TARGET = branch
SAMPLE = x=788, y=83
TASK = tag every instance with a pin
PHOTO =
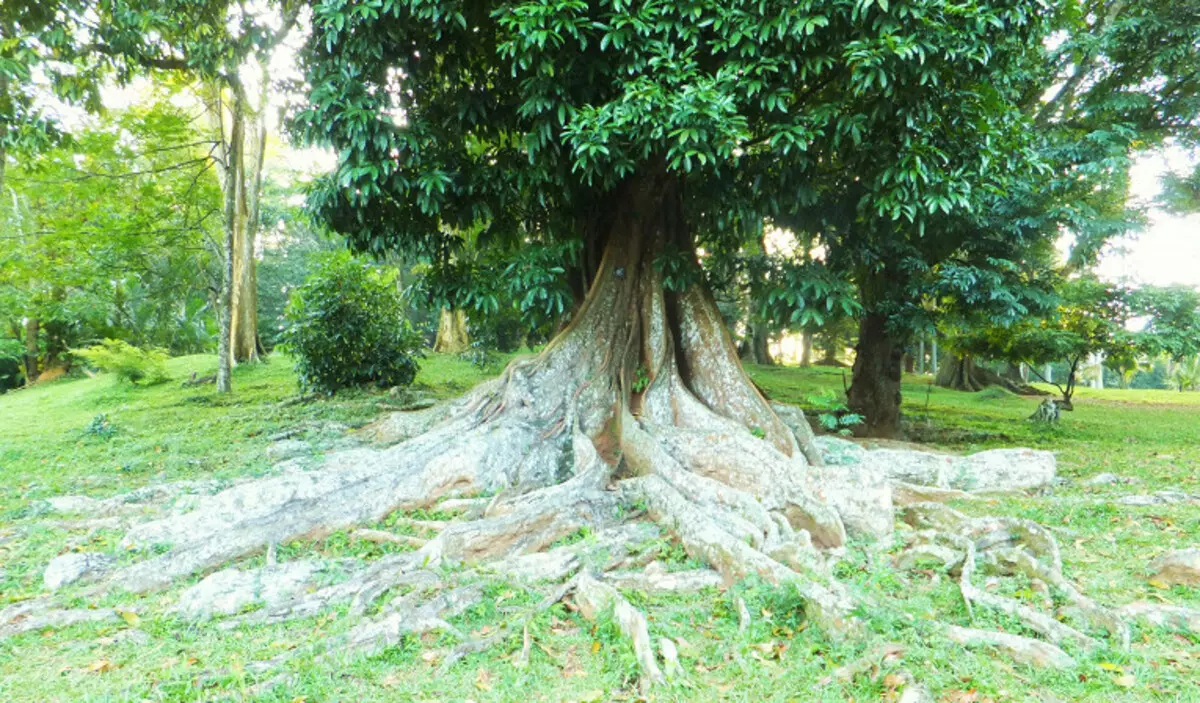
x=88, y=175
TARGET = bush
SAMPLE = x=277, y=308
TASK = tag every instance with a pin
x=128, y=362
x=346, y=327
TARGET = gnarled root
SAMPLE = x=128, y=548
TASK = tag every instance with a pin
x=1025, y=650
x=1009, y=546
x=595, y=598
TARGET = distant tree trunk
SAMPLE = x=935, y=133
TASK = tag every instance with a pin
x=244, y=318
x=962, y=374
x=32, y=326
x=829, y=354
x=247, y=216
x=875, y=391
x=959, y=373
x=5, y=108
x=233, y=175
x=452, y=337
x=758, y=350
x=806, y=348
x=909, y=364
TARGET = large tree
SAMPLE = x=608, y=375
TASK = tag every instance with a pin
x=643, y=137
x=645, y=132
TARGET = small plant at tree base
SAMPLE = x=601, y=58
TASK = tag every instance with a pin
x=346, y=327
x=100, y=427
x=128, y=362
x=833, y=414
x=641, y=379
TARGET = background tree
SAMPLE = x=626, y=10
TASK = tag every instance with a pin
x=1122, y=79
x=1089, y=320
x=108, y=235
x=225, y=48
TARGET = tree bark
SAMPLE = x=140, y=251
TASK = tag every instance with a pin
x=758, y=346
x=233, y=176
x=247, y=216
x=32, y=328
x=875, y=391
x=806, y=348
x=452, y=337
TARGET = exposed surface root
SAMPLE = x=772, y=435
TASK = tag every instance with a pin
x=1008, y=546
x=1025, y=650
x=1171, y=617
x=39, y=615
x=595, y=598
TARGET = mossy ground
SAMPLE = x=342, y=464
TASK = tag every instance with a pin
x=167, y=432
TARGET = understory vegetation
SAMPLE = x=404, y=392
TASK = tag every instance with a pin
x=98, y=437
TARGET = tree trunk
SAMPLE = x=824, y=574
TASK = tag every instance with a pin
x=875, y=391
x=962, y=374
x=247, y=185
x=959, y=373
x=32, y=328
x=909, y=364
x=758, y=346
x=806, y=348
x=234, y=200
x=829, y=354
x=452, y=337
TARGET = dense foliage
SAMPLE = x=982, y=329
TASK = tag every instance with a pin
x=346, y=327
x=125, y=361
x=108, y=235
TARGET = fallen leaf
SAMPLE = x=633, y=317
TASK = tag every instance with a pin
x=1107, y=666
x=1125, y=680
x=390, y=680
x=893, y=681
x=483, y=680
x=1162, y=585
x=960, y=696
x=595, y=647
x=100, y=666
x=591, y=696
x=131, y=618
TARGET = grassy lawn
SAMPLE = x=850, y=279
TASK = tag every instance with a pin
x=168, y=432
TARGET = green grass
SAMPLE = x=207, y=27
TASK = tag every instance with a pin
x=166, y=432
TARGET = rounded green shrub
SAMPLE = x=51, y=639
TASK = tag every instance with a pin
x=345, y=326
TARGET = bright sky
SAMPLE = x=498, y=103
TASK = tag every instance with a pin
x=1168, y=251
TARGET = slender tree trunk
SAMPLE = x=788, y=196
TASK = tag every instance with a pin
x=233, y=170
x=248, y=186
x=452, y=336
x=806, y=348
x=875, y=391
x=32, y=327
x=5, y=108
